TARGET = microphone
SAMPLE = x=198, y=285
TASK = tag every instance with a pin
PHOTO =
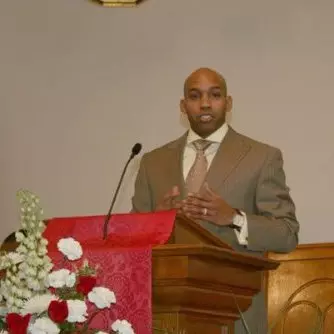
x=135, y=150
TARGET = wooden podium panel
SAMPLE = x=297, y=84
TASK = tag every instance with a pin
x=304, y=283
x=198, y=281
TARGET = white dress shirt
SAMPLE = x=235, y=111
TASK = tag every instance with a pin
x=189, y=156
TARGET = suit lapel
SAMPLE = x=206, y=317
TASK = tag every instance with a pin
x=175, y=163
x=231, y=151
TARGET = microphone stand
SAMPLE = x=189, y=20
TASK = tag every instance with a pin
x=105, y=226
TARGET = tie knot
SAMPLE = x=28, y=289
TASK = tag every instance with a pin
x=201, y=144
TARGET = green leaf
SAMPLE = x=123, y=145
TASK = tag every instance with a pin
x=2, y=324
x=69, y=293
x=67, y=327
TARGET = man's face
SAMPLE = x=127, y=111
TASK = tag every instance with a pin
x=205, y=102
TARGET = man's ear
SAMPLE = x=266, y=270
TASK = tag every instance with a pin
x=229, y=103
x=182, y=107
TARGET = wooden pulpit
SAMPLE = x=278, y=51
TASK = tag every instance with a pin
x=199, y=282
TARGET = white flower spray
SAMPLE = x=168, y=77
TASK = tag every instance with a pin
x=24, y=288
x=28, y=266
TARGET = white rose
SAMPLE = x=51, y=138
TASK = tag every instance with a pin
x=122, y=327
x=70, y=248
x=77, y=311
x=44, y=326
x=102, y=297
x=70, y=281
x=60, y=278
x=99, y=332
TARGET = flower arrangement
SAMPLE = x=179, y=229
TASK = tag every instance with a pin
x=35, y=298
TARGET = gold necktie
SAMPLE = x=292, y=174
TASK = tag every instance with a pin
x=198, y=170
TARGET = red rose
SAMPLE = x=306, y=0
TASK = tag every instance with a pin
x=86, y=284
x=58, y=311
x=17, y=324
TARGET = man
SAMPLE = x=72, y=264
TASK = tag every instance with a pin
x=233, y=185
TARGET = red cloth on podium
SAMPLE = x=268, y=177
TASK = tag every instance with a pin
x=123, y=258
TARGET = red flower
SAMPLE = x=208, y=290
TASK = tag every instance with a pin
x=58, y=311
x=86, y=284
x=17, y=324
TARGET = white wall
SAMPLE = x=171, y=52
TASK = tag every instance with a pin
x=79, y=84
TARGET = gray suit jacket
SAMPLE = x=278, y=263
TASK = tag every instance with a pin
x=249, y=176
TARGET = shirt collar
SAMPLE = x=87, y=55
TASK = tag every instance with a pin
x=216, y=137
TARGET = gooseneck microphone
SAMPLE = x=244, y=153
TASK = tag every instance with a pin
x=135, y=150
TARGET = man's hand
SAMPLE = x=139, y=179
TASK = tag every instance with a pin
x=208, y=206
x=169, y=200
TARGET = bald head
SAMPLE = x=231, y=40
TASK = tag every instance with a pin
x=204, y=72
x=205, y=101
